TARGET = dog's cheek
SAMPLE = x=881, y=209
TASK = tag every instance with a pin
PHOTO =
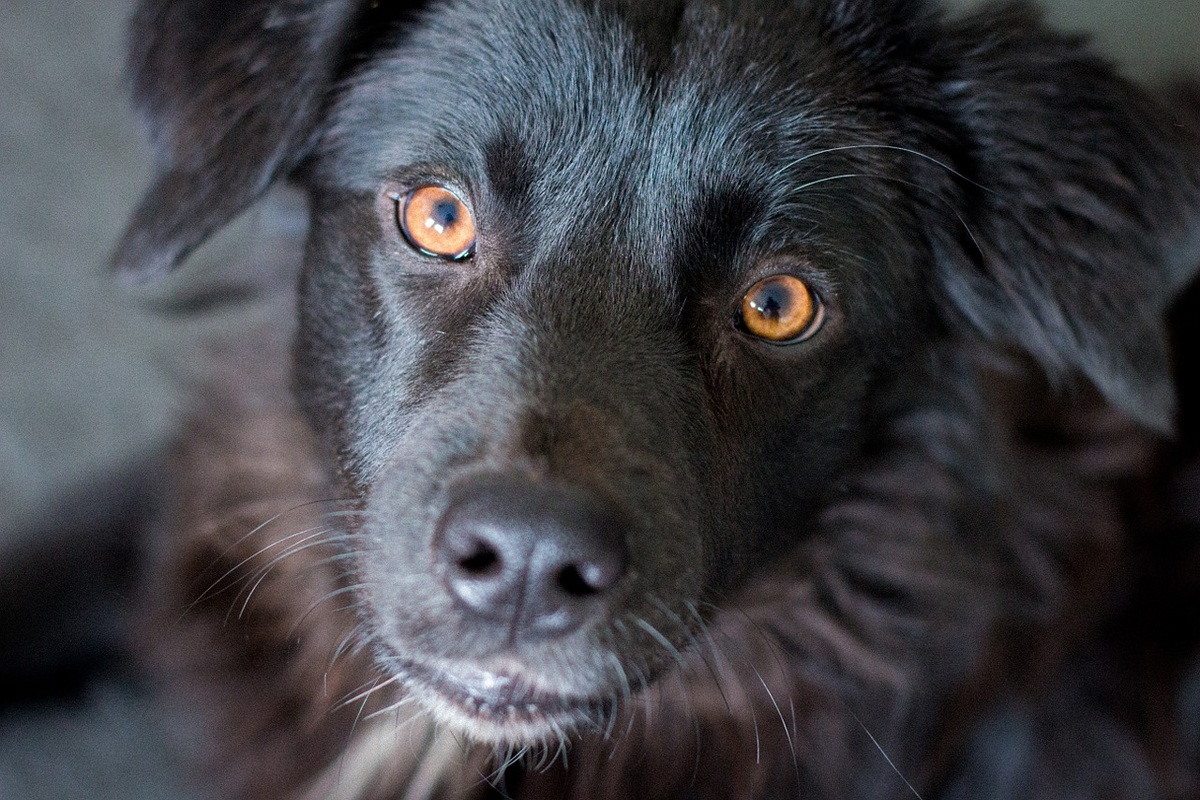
x=794, y=418
x=334, y=346
x=360, y=343
x=788, y=423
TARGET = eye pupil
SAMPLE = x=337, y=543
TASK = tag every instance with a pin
x=781, y=309
x=445, y=214
x=437, y=223
x=768, y=304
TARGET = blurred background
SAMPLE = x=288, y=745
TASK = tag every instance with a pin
x=91, y=375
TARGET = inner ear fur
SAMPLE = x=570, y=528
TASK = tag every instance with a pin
x=1083, y=190
x=232, y=91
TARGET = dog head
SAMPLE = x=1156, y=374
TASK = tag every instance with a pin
x=600, y=299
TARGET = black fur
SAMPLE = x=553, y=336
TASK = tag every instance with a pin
x=893, y=540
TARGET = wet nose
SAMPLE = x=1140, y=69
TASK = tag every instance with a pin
x=537, y=559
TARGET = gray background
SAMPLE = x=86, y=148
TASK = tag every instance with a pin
x=89, y=376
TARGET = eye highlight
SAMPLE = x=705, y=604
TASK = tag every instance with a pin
x=781, y=309
x=436, y=222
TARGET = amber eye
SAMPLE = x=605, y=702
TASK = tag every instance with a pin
x=781, y=309
x=436, y=222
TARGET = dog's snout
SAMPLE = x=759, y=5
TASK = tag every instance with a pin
x=538, y=560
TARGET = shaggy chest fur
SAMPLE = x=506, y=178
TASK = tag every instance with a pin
x=674, y=407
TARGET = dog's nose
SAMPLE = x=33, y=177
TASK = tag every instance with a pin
x=539, y=560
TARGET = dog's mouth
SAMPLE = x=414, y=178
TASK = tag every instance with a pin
x=499, y=704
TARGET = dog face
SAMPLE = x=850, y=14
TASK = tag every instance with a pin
x=600, y=302
x=592, y=389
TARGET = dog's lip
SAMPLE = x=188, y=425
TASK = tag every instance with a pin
x=498, y=694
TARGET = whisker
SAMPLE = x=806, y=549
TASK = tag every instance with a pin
x=626, y=690
x=882, y=752
x=757, y=739
x=355, y=693
x=772, y=648
x=262, y=572
x=712, y=644
x=349, y=642
x=562, y=746
x=827, y=179
x=772, y=642
x=543, y=758
x=899, y=148
x=212, y=590
x=911, y=184
x=695, y=733
x=376, y=685
x=645, y=704
x=404, y=700
x=348, y=555
x=675, y=617
x=274, y=518
x=782, y=722
x=328, y=596
x=512, y=757
x=365, y=699
x=663, y=640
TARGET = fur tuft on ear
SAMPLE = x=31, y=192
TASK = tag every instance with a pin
x=1086, y=192
x=232, y=91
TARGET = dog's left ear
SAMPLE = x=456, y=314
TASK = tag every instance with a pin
x=232, y=90
x=1084, y=192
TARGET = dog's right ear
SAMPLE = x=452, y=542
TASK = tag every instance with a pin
x=232, y=90
x=1083, y=216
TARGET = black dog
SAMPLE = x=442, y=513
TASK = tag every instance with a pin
x=707, y=393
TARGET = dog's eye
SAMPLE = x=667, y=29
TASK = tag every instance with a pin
x=781, y=309
x=436, y=222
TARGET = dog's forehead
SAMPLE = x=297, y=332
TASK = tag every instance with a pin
x=586, y=95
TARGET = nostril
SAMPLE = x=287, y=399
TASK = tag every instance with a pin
x=589, y=578
x=482, y=561
x=572, y=582
x=480, y=565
